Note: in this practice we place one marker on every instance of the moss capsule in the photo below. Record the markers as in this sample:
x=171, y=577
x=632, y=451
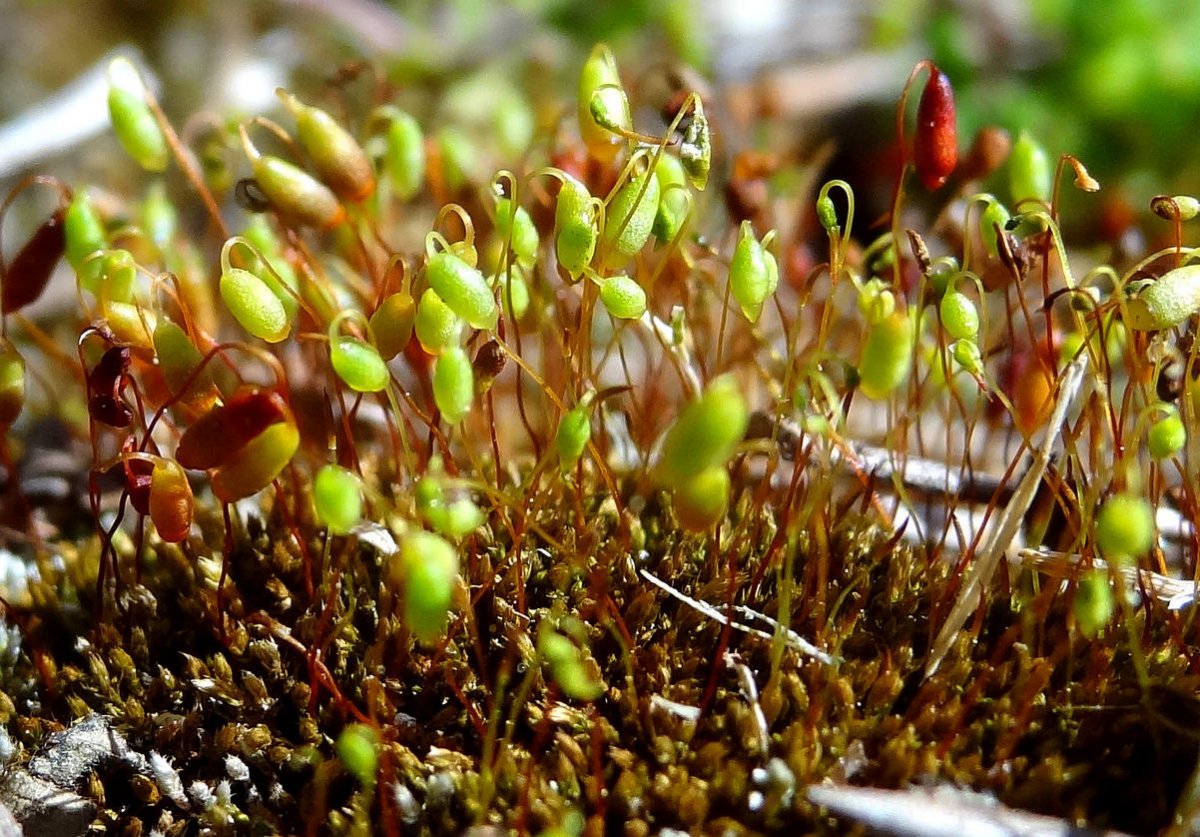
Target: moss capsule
x=337, y=497
x=85, y=235
x=753, y=273
x=572, y=437
x=622, y=297
x=171, y=504
x=629, y=218
x=427, y=567
x=12, y=385
x=133, y=122
x=257, y=464
x=518, y=229
x=358, y=748
x=392, y=323
x=1165, y=302
x=575, y=227
x=252, y=303
x=1093, y=604
x=1030, y=171
x=30, y=269
x=993, y=217
x=700, y=502
x=336, y=156
x=453, y=384
x=565, y=661
x=1167, y=436
x=602, y=105
x=463, y=289
x=1125, y=527
x=704, y=435
x=674, y=202
x=358, y=364
x=886, y=356
x=935, y=143
x=404, y=155
x=178, y=359
x=437, y=327
x=959, y=315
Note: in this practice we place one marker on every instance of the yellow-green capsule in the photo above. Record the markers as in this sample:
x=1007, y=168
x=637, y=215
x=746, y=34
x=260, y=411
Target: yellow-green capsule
x=85, y=235
x=254, y=305
x=12, y=385
x=602, y=105
x=258, y=463
x=622, y=297
x=358, y=748
x=453, y=384
x=886, y=356
x=1093, y=604
x=358, y=364
x=437, y=327
x=700, y=502
x=1166, y=436
x=160, y=218
x=1030, y=170
x=133, y=122
x=629, y=218
x=427, y=567
x=518, y=229
x=1125, y=527
x=463, y=288
x=178, y=359
x=673, y=202
x=404, y=154
x=392, y=323
x=959, y=315
x=114, y=277
x=337, y=498
x=753, y=273
x=572, y=437
x=336, y=156
x=994, y=216
x=704, y=435
x=575, y=227
x=565, y=660
x=1165, y=302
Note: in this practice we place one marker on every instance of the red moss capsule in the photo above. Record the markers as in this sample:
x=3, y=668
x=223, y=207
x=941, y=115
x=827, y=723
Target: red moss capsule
x=29, y=271
x=171, y=505
x=935, y=145
x=105, y=383
x=219, y=436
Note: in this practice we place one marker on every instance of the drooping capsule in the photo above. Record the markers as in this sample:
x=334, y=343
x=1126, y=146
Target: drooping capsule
x=886, y=356
x=704, y=435
x=453, y=384
x=629, y=218
x=132, y=120
x=336, y=156
x=294, y=193
x=753, y=273
x=1165, y=302
x=30, y=269
x=575, y=227
x=463, y=289
x=603, y=107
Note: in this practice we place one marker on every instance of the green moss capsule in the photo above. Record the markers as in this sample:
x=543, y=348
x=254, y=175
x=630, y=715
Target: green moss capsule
x=565, y=661
x=753, y=273
x=12, y=385
x=576, y=234
x=518, y=230
x=1125, y=527
x=358, y=748
x=1167, y=436
x=700, y=502
x=392, y=323
x=967, y=355
x=463, y=289
x=886, y=356
x=993, y=217
x=514, y=294
x=404, y=155
x=337, y=498
x=336, y=156
x=1093, y=604
x=622, y=297
x=427, y=567
x=629, y=218
x=959, y=315
x=602, y=105
x=178, y=359
x=453, y=384
x=114, y=276
x=252, y=303
x=85, y=235
x=572, y=437
x=133, y=122
x=704, y=435
x=357, y=363
x=273, y=268
x=674, y=201
x=292, y=192
x=438, y=328
x=1030, y=170
x=160, y=218
x=1165, y=302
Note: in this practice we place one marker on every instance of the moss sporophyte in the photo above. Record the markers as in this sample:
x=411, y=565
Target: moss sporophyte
x=435, y=480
